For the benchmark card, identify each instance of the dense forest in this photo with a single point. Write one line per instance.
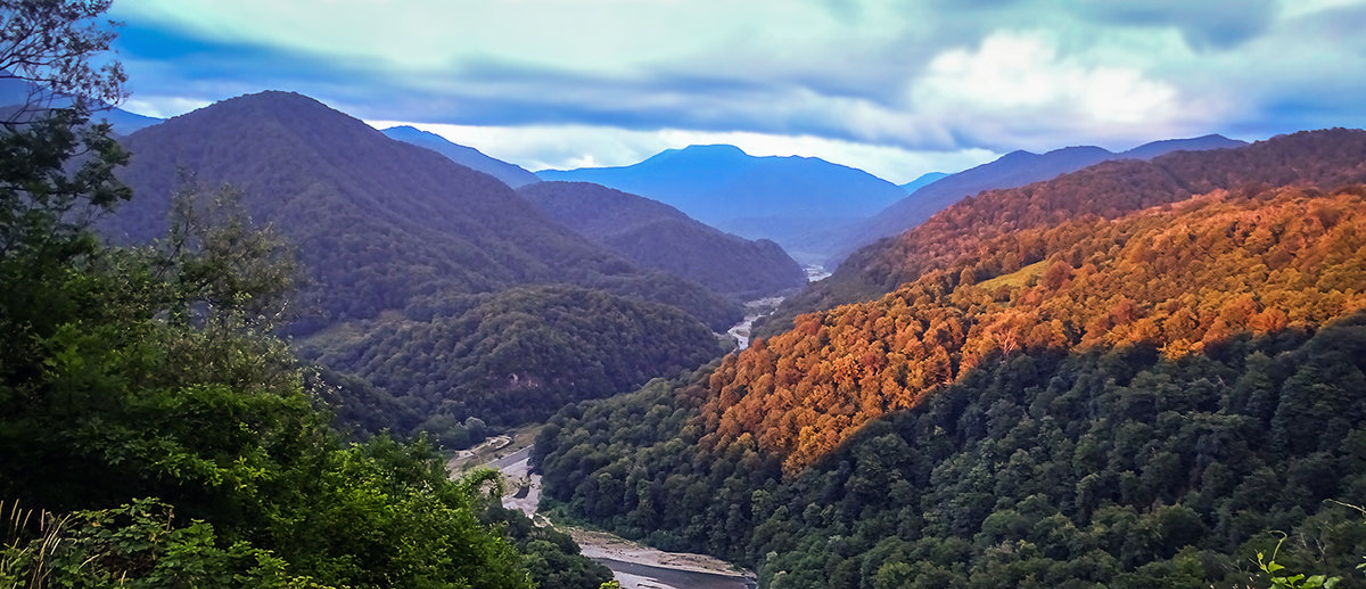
(510, 357)
(1177, 277)
(1328, 158)
(658, 236)
(153, 430)
(1136, 395)
(1112, 467)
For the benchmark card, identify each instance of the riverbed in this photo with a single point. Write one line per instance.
(633, 565)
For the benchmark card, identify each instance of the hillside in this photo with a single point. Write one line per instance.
(1014, 169)
(1326, 158)
(1173, 385)
(777, 198)
(511, 174)
(375, 221)
(517, 355)
(657, 236)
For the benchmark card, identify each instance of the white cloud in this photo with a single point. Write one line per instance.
(538, 147)
(1019, 89)
(162, 107)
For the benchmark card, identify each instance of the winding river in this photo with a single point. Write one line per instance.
(633, 565)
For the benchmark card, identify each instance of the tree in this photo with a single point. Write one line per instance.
(50, 45)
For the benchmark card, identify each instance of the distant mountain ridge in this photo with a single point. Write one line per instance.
(511, 174)
(15, 92)
(924, 180)
(1016, 168)
(778, 198)
(658, 236)
(376, 221)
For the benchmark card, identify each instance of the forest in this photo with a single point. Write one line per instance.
(1112, 467)
(154, 432)
(506, 358)
(1120, 400)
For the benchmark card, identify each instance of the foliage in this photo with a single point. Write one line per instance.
(552, 557)
(520, 354)
(137, 384)
(48, 45)
(135, 545)
(1326, 159)
(1179, 278)
(1115, 467)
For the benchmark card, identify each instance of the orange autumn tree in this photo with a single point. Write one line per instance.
(1177, 276)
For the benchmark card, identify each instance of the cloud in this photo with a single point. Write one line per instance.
(904, 76)
(1216, 24)
(1018, 89)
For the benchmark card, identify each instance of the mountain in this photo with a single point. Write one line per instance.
(777, 198)
(521, 354)
(1009, 171)
(923, 180)
(1149, 151)
(376, 221)
(1135, 375)
(396, 239)
(658, 236)
(510, 174)
(1111, 188)
(15, 92)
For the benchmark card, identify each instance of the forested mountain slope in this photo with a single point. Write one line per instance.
(1132, 400)
(376, 221)
(658, 236)
(517, 355)
(1326, 158)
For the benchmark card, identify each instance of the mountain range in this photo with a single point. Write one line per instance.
(1016, 168)
(405, 251)
(658, 236)
(1134, 375)
(777, 198)
(376, 221)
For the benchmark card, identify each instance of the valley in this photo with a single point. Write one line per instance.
(826, 295)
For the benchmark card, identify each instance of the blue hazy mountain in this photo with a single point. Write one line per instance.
(660, 237)
(1011, 170)
(778, 198)
(924, 180)
(15, 93)
(511, 174)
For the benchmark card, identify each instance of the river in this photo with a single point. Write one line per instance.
(761, 307)
(633, 565)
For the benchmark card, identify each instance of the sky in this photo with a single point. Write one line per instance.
(896, 87)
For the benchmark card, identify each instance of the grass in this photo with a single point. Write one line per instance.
(1015, 279)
